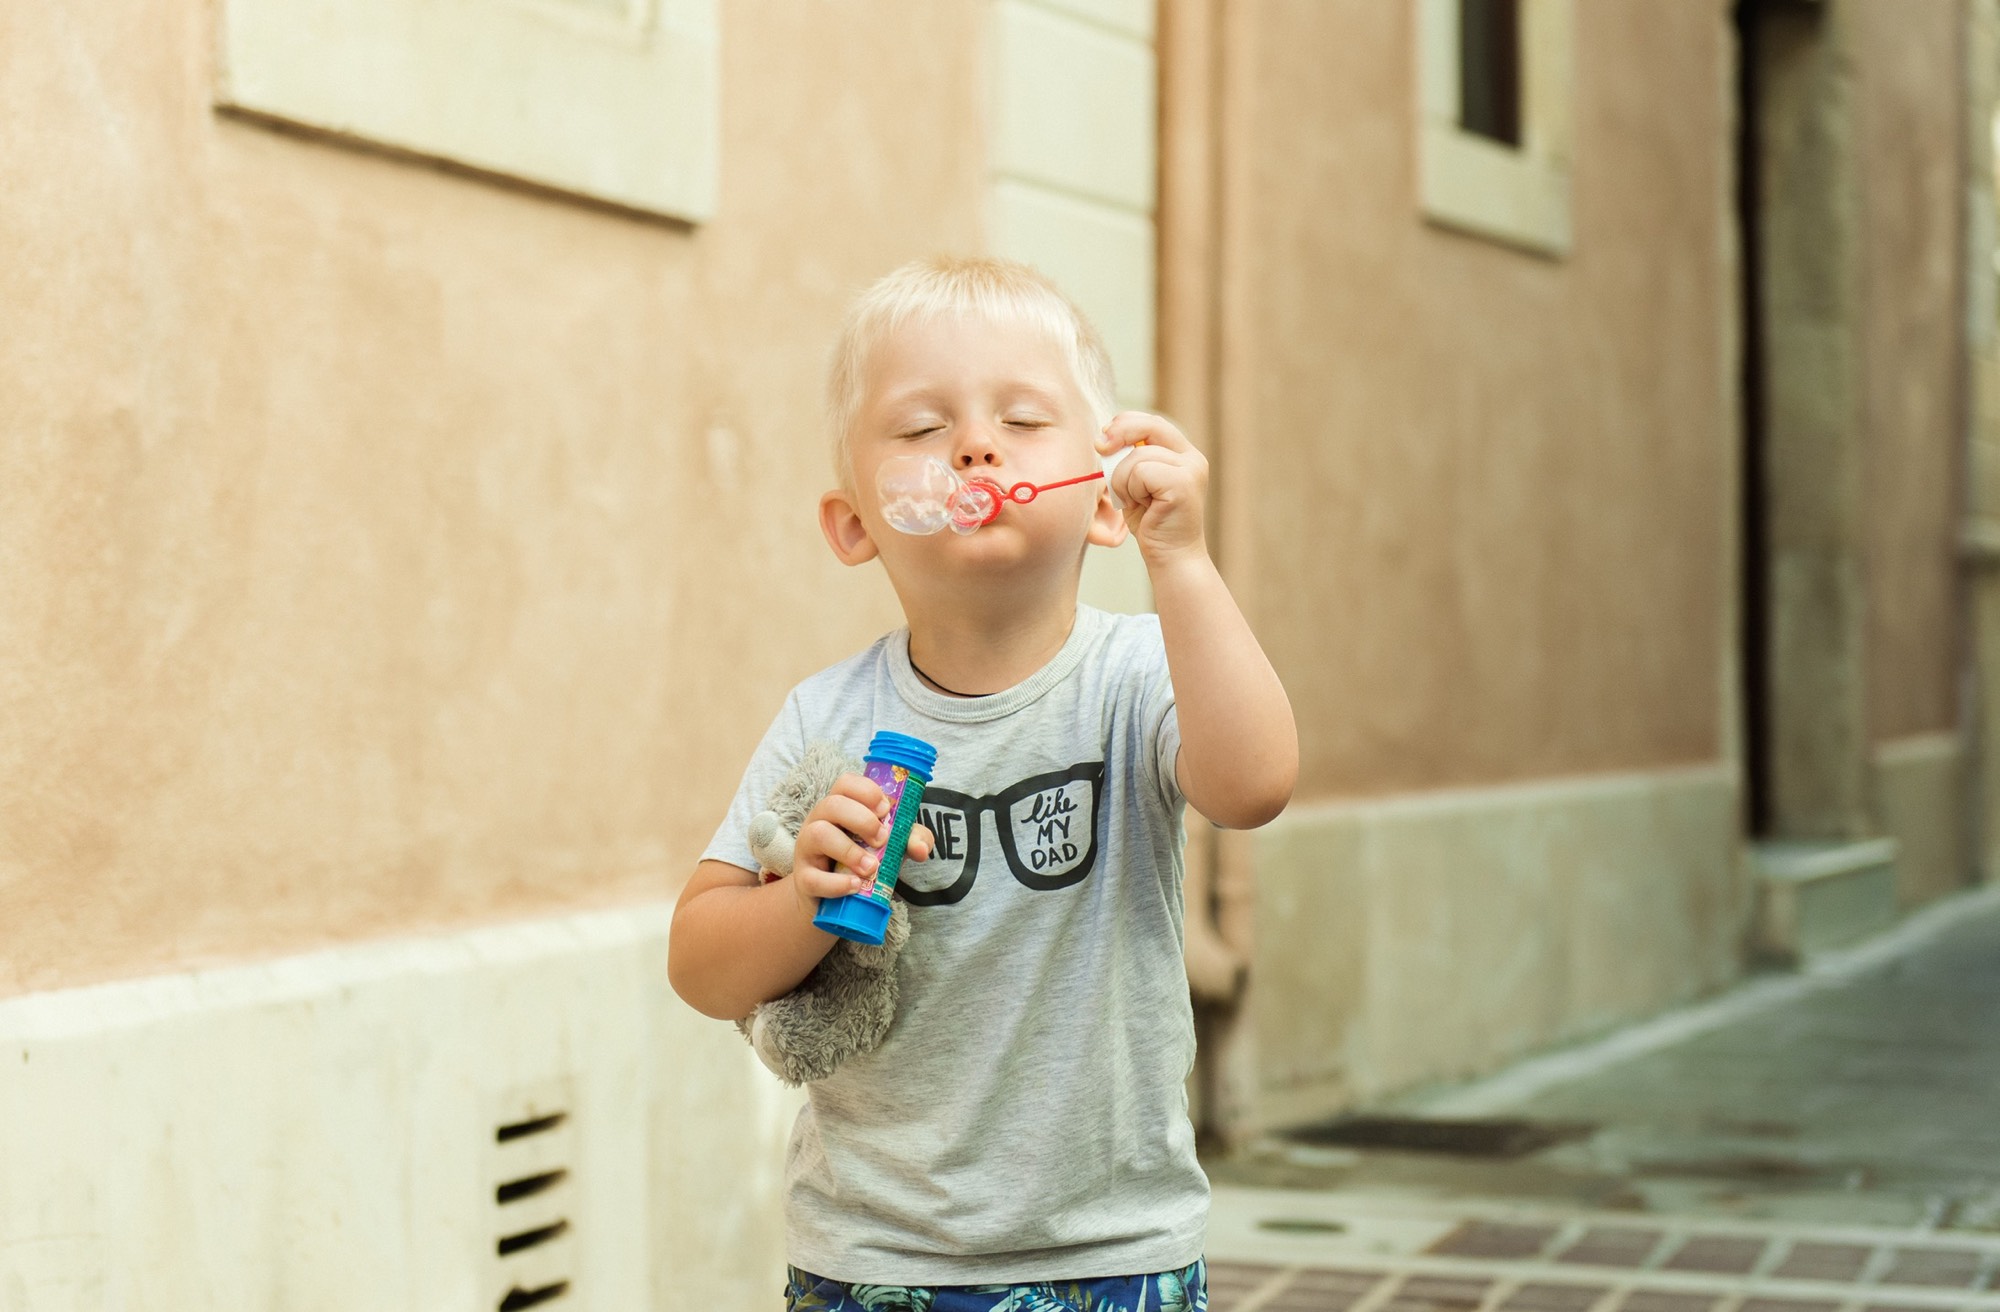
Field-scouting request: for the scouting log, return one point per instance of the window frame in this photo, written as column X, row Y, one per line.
column 1518, row 196
column 612, row 101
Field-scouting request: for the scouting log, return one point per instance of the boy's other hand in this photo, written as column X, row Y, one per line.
column 1163, row 484
column 832, row 843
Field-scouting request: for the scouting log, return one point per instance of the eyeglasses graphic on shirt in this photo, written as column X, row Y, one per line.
column 1047, row 827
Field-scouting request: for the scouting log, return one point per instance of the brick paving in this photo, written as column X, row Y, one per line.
column 1541, row 1297
column 1719, row 1255
column 1814, row 1261
column 1267, row 1287
column 1496, row 1239
column 1612, row 1245
column 1480, row 1264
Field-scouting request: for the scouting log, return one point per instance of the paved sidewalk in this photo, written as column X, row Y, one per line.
column 1293, row 1251
column 1807, row 1143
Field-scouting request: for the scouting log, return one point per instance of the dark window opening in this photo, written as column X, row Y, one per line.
column 1489, row 69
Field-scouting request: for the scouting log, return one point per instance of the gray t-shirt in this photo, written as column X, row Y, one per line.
column 1026, row 1119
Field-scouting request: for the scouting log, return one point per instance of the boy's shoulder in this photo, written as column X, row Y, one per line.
column 1124, row 642
column 1120, row 628
column 864, row 665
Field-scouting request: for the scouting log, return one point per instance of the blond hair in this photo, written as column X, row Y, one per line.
column 942, row 286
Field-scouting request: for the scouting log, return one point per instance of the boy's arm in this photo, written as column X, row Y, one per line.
column 1239, row 756
column 736, row 943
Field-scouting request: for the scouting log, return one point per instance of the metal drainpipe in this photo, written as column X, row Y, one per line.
column 1219, row 895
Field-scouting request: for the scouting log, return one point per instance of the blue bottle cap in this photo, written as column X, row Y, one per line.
column 862, row 919
column 913, row 754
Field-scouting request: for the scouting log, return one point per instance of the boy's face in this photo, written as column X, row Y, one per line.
column 991, row 398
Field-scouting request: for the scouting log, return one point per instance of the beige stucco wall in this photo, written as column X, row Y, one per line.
column 1481, row 500
column 382, row 549
column 1910, row 125
column 1409, row 940
column 1482, row 506
column 1909, row 129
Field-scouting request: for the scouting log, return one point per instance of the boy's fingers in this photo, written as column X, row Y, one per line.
column 1151, row 470
column 1134, row 427
column 1123, row 430
column 861, row 788
column 813, row 885
column 865, row 824
column 832, row 847
column 1135, row 487
column 827, row 883
column 831, row 883
column 824, row 839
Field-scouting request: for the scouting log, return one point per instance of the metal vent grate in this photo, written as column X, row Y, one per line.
column 534, row 1139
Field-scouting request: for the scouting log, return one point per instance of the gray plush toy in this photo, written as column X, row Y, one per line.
column 845, row 1005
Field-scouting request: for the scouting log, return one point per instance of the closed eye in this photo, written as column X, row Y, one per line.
column 916, row 433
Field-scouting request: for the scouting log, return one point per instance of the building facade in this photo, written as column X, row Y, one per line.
column 411, row 437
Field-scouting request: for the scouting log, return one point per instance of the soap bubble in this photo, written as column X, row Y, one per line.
column 917, row 494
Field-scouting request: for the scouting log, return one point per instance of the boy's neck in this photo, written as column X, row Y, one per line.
column 973, row 653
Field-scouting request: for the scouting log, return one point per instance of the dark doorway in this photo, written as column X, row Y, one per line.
column 1754, row 535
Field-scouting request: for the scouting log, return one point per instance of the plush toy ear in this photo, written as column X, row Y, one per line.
column 770, row 844
column 845, row 533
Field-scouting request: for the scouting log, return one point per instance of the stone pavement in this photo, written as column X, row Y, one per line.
column 1807, row 1143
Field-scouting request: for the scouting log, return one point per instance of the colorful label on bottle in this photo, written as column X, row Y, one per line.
column 905, row 792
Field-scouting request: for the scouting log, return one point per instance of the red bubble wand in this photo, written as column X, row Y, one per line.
column 923, row 494
column 977, row 503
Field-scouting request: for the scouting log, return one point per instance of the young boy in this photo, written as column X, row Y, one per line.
column 1022, row 1133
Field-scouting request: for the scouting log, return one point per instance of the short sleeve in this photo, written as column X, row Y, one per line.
column 1167, row 752
column 782, row 748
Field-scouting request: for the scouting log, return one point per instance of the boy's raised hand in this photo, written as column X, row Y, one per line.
column 832, row 842
column 1163, row 484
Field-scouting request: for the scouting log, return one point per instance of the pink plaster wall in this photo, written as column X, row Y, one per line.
column 1483, row 500
column 383, row 550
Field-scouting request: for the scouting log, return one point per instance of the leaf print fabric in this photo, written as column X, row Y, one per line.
column 1185, row 1290
column 893, row 1298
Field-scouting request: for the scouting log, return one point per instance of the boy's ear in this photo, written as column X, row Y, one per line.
column 843, row 528
column 1107, row 523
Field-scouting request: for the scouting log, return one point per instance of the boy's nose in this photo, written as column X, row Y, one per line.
column 975, row 448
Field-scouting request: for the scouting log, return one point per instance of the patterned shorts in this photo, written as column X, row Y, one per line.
column 1185, row 1290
